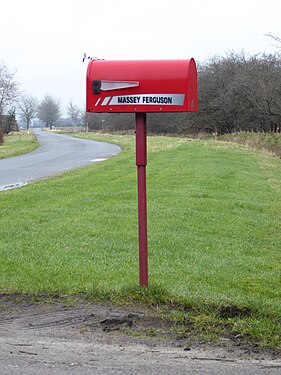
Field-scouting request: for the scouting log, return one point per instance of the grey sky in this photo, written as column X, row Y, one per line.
column 45, row 40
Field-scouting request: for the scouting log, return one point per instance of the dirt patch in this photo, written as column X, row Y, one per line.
column 232, row 311
column 55, row 336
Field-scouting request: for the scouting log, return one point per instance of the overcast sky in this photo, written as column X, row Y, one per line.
column 45, row 40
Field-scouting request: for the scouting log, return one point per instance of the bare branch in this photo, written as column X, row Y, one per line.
column 276, row 38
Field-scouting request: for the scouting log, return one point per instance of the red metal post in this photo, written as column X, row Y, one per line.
column 142, row 207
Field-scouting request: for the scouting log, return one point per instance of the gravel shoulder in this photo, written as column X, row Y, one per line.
column 56, row 337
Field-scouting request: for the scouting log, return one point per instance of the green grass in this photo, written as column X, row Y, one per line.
column 17, row 144
column 214, row 234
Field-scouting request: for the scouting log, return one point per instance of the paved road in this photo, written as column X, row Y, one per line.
column 57, row 153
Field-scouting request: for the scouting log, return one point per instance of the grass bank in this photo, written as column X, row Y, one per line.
column 17, row 143
column 214, row 235
column 266, row 142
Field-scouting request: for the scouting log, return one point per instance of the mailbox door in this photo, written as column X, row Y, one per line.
column 142, row 86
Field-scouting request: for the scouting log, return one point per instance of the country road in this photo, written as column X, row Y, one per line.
column 57, row 153
column 102, row 339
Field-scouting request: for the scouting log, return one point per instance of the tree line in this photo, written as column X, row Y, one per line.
column 237, row 92
column 14, row 103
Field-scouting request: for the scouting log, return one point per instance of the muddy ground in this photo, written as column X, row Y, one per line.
column 85, row 338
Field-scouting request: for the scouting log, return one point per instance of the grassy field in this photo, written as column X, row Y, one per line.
column 214, row 234
column 17, row 144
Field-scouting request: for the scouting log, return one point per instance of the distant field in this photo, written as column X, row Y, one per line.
column 214, row 234
column 17, row 144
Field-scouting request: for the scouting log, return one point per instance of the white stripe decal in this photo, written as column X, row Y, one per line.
column 97, row 102
column 106, row 100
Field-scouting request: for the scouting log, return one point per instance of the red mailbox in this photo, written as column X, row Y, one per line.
column 142, row 86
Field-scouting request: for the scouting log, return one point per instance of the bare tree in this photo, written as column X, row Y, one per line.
column 239, row 93
column 73, row 112
column 8, row 122
column 27, row 108
column 11, row 124
column 261, row 88
column 8, row 87
column 49, row 111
